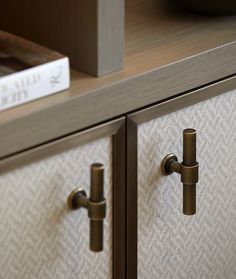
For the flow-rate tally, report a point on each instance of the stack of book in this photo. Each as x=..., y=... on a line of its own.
x=29, y=71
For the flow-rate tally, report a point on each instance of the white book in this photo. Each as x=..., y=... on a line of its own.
x=29, y=71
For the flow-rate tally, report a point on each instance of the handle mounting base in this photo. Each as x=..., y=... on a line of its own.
x=166, y=164
x=74, y=197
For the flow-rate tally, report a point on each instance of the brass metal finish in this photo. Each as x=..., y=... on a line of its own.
x=166, y=165
x=189, y=175
x=74, y=199
x=189, y=147
x=96, y=206
x=188, y=170
x=189, y=199
x=96, y=224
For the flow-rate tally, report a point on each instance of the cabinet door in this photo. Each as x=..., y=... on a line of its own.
x=39, y=236
x=173, y=245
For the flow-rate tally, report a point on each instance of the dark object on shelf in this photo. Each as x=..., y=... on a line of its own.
x=214, y=7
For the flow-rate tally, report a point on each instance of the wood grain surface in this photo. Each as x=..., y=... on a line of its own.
x=168, y=52
x=90, y=32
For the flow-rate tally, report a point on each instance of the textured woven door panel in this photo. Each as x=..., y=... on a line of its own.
x=171, y=245
x=39, y=237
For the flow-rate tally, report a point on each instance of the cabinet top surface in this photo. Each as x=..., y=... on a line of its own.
x=167, y=51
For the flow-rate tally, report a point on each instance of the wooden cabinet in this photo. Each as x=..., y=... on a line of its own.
x=170, y=244
x=40, y=236
x=177, y=67
x=146, y=234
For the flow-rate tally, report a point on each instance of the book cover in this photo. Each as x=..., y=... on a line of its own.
x=29, y=71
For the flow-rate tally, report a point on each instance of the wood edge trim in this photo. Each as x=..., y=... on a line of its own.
x=119, y=203
x=121, y=97
x=49, y=149
x=113, y=11
x=132, y=198
x=184, y=100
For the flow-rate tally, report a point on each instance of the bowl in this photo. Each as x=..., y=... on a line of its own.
x=214, y=7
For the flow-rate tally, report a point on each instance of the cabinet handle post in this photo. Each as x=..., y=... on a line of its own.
x=96, y=205
x=188, y=170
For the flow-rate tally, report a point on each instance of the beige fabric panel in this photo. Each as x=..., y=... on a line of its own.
x=40, y=237
x=171, y=245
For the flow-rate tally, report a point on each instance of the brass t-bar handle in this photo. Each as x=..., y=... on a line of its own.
x=96, y=206
x=188, y=170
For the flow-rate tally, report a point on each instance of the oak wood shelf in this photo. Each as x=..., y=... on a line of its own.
x=89, y=32
x=168, y=51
